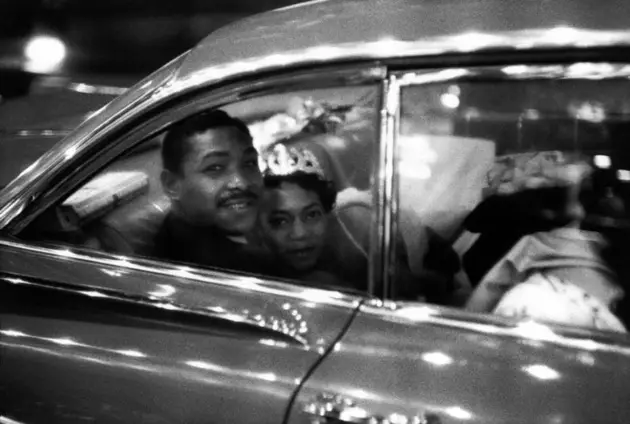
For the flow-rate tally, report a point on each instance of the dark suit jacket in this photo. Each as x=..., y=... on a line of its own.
x=178, y=240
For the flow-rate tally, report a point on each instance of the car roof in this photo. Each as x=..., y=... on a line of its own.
x=328, y=29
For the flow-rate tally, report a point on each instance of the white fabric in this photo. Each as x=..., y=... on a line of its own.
x=547, y=298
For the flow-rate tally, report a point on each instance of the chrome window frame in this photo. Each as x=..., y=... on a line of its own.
x=111, y=145
x=514, y=71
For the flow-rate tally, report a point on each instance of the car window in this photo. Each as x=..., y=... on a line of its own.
x=276, y=185
x=513, y=197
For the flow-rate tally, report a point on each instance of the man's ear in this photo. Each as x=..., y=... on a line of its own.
x=171, y=184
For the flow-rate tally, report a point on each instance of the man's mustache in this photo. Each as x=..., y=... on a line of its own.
x=237, y=195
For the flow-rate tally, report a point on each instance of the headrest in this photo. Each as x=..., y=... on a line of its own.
x=133, y=232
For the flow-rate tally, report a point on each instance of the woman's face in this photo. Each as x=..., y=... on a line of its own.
x=294, y=225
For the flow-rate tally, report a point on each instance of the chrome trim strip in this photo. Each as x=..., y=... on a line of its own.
x=530, y=330
x=391, y=221
x=258, y=285
x=86, y=88
x=34, y=133
x=232, y=317
x=560, y=37
x=60, y=161
x=379, y=201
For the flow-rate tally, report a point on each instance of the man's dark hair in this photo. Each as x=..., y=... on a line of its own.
x=325, y=190
x=175, y=145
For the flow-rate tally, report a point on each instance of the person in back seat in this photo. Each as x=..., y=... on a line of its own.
x=211, y=175
x=296, y=216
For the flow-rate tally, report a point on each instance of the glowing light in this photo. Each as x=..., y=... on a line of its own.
x=531, y=114
x=437, y=358
x=132, y=353
x=535, y=330
x=7, y=420
x=274, y=343
x=269, y=376
x=458, y=412
x=65, y=252
x=70, y=152
x=112, y=273
x=474, y=40
x=183, y=272
x=450, y=100
x=65, y=342
x=444, y=75
x=44, y=54
x=164, y=290
x=542, y=372
x=563, y=35
x=94, y=293
x=168, y=306
x=602, y=161
x=352, y=414
x=623, y=174
x=12, y=333
x=418, y=313
x=515, y=69
x=202, y=365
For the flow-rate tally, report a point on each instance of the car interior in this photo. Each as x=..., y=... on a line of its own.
x=504, y=139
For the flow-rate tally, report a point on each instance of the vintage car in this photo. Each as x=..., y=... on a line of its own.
x=482, y=172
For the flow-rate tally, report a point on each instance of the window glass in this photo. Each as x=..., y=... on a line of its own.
x=514, y=198
x=276, y=185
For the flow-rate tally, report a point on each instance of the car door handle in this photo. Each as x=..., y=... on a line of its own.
x=328, y=408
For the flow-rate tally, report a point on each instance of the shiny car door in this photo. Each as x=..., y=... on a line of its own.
x=87, y=337
x=411, y=362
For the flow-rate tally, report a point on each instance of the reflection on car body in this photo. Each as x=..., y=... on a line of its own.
x=482, y=204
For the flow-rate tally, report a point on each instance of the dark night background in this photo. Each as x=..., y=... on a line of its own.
x=116, y=41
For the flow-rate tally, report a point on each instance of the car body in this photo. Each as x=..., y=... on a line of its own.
x=94, y=336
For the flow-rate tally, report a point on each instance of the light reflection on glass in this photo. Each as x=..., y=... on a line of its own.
x=417, y=313
x=515, y=69
x=352, y=413
x=586, y=358
x=121, y=261
x=12, y=333
x=15, y=280
x=65, y=341
x=542, y=372
x=563, y=35
x=164, y=290
x=439, y=359
x=535, y=330
x=94, y=293
x=458, y=412
x=274, y=343
x=132, y=353
x=65, y=253
x=623, y=174
x=7, y=420
x=168, y=306
x=70, y=152
x=183, y=272
x=112, y=272
x=269, y=376
x=474, y=40
x=602, y=161
x=445, y=75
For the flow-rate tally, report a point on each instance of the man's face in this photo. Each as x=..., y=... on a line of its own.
x=220, y=182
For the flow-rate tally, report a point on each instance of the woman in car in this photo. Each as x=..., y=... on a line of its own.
x=295, y=215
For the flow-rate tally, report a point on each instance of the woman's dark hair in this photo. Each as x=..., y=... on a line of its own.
x=325, y=190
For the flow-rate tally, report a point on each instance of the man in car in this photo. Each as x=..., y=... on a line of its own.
x=211, y=175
